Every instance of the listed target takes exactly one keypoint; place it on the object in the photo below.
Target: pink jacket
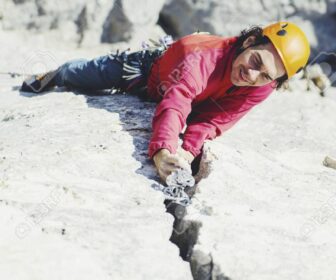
(191, 82)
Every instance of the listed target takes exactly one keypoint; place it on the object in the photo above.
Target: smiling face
(257, 65)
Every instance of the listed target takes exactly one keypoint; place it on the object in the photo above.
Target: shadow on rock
(136, 115)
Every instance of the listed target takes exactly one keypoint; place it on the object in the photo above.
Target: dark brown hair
(260, 40)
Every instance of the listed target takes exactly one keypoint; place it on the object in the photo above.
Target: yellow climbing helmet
(291, 43)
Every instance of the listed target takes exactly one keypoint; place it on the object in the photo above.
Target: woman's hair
(260, 40)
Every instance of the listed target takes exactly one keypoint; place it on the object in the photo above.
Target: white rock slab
(75, 191)
(273, 202)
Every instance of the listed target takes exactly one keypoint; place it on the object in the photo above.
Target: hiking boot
(40, 82)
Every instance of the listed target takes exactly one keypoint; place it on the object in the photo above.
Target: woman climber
(204, 82)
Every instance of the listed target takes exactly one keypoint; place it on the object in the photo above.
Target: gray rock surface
(80, 221)
(89, 23)
(75, 178)
(273, 199)
(85, 22)
(77, 220)
(230, 17)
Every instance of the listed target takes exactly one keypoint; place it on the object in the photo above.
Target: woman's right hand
(166, 163)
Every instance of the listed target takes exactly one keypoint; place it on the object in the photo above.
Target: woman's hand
(189, 157)
(166, 163)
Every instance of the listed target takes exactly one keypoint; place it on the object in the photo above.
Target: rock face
(77, 220)
(75, 179)
(230, 17)
(87, 217)
(85, 22)
(273, 200)
(92, 22)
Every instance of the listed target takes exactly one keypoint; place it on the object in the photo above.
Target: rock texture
(84, 22)
(89, 23)
(75, 181)
(228, 18)
(75, 184)
(69, 204)
(273, 200)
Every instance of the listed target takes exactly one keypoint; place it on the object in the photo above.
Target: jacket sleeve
(171, 113)
(216, 116)
(170, 116)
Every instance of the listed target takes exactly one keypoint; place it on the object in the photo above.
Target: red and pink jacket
(191, 82)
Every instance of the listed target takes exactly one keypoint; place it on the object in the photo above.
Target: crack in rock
(185, 232)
